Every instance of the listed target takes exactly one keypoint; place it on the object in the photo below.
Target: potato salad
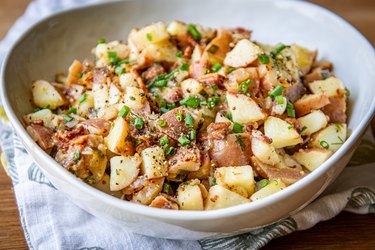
(186, 117)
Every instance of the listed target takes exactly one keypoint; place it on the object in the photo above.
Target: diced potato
(158, 53)
(134, 98)
(244, 109)
(189, 196)
(273, 187)
(176, 28)
(45, 115)
(243, 54)
(116, 141)
(185, 159)
(336, 110)
(312, 158)
(154, 164)
(332, 137)
(128, 80)
(44, 94)
(108, 113)
(124, 170)
(313, 122)
(281, 133)
(150, 190)
(191, 87)
(217, 49)
(304, 57)
(263, 150)
(83, 107)
(279, 108)
(152, 34)
(197, 54)
(220, 197)
(164, 201)
(100, 92)
(74, 72)
(114, 94)
(308, 103)
(237, 179)
(96, 162)
(103, 185)
(102, 49)
(330, 87)
(220, 117)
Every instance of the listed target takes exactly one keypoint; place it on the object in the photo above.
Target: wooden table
(346, 231)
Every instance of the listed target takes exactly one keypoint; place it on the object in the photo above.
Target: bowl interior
(53, 44)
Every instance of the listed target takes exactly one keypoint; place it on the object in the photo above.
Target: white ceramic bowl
(52, 44)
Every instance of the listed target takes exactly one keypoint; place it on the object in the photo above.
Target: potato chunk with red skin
(336, 110)
(41, 135)
(175, 128)
(234, 150)
(165, 202)
(185, 159)
(310, 102)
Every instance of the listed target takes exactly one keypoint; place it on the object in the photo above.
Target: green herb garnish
(237, 128)
(192, 29)
(324, 144)
(138, 123)
(183, 141)
(264, 59)
(82, 98)
(125, 110)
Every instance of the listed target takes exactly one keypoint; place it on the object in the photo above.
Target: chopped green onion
(290, 109)
(211, 103)
(119, 70)
(149, 36)
(179, 54)
(276, 91)
(138, 123)
(125, 110)
(90, 180)
(125, 61)
(171, 74)
(170, 151)
(324, 144)
(347, 92)
(72, 110)
(171, 105)
(164, 110)
(113, 59)
(303, 128)
(166, 188)
(192, 102)
(237, 128)
(280, 99)
(263, 59)
(184, 66)
(263, 183)
(194, 32)
(212, 181)
(155, 94)
(183, 141)
(164, 141)
(158, 84)
(80, 75)
(214, 87)
(67, 118)
(216, 67)
(47, 106)
(229, 116)
(162, 123)
(189, 121)
(278, 49)
(76, 156)
(193, 135)
(213, 49)
(36, 110)
(291, 126)
(240, 142)
(82, 98)
(230, 70)
(101, 40)
(243, 87)
(179, 116)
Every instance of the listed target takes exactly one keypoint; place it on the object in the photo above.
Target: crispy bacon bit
(186, 159)
(41, 135)
(99, 75)
(139, 80)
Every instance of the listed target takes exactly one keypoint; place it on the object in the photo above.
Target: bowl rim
(181, 215)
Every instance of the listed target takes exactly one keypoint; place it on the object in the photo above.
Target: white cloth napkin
(50, 221)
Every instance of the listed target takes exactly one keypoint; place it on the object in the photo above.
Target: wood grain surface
(346, 231)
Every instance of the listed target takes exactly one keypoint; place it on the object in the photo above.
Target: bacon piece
(152, 73)
(197, 69)
(212, 79)
(97, 126)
